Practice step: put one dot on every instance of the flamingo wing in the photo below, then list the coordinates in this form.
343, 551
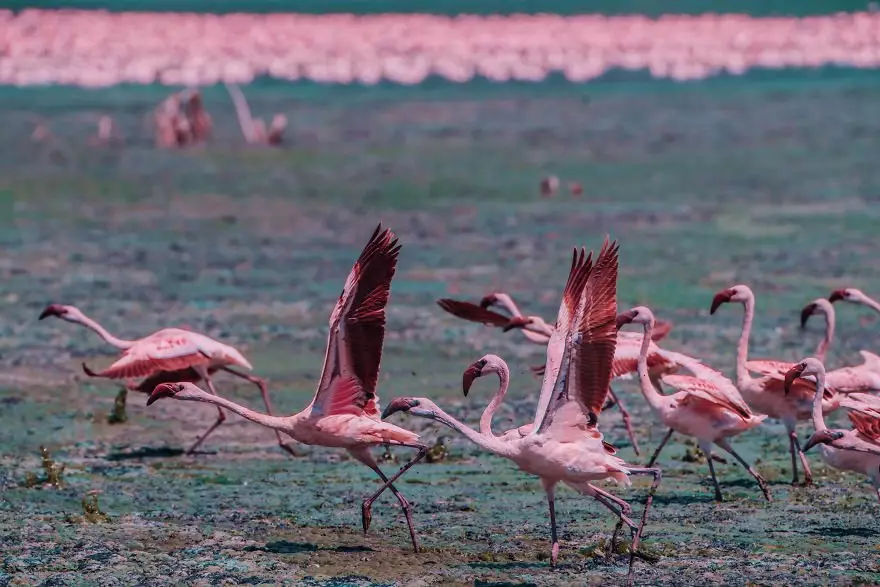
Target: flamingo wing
473, 312
168, 350
661, 330
769, 368
710, 392
868, 427
557, 347
357, 332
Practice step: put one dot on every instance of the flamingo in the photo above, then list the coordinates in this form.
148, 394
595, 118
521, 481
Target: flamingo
538, 331
766, 394
854, 296
707, 407
850, 450
168, 355
564, 444
345, 410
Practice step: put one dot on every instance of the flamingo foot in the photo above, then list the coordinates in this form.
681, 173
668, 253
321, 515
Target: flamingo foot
762, 483
366, 515
554, 554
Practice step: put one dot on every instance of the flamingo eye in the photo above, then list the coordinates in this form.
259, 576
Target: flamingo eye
481, 363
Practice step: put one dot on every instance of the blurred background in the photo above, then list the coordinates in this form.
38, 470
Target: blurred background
219, 164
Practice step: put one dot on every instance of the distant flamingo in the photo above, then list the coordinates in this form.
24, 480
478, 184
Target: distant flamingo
850, 450
854, 296
767, 395
171, 354
564, 444
345, 410
707, 407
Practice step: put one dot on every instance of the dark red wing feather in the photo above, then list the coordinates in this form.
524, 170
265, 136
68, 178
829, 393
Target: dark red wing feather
473, 312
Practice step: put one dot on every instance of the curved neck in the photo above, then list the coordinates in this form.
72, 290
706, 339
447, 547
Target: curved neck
541, 335
650, 392
506, 302
285, 424
825, 343
818, 417
489, 412
742, 349
485, 441
102, 332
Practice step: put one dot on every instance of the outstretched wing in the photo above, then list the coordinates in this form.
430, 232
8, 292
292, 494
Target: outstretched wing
357, 331
711, 392
596, 327
581, 265
769, 368
166, 350
473, 312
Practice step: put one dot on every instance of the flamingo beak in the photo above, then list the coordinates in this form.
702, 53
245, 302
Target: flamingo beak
471, 373
822, 437
837, 295
806, 313
793, 374
517, 322
722, 297
625, 318
163, 390
400, 404
488, 300
52, 310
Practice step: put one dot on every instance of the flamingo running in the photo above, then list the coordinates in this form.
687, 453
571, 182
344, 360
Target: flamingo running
849, 450
168, 355
707, 407
345, 410
766, 394
564, 443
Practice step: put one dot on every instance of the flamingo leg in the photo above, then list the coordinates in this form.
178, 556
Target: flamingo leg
404, 504
366, 508
626, 420
658, 476
659, 448
221, 417
554, 540
261, 384
808, 475
706, 447
794, 472
622, 519
795, 446
723, 443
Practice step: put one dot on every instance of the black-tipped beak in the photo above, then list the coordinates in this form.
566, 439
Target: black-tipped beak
836, 295
51, 310
792, 374
471, 373
806, 313
488, 300
161, 391
625, 318
722, 297
822, 437
517, 322
400, 404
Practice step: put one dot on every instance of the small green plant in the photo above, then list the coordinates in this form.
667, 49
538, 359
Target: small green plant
91, 511
387, 456
437, 452
51, 469
118, 415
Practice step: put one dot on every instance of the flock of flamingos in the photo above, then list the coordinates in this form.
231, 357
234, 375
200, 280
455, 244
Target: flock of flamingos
99, 49
586, 349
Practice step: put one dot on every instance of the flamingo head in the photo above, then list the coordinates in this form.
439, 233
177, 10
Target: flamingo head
817, 306
517, 322
822, 437
737, 293
68, 313
486, 365
181, 391
489, 300
637, 315
809, 367
417, 406
846, 294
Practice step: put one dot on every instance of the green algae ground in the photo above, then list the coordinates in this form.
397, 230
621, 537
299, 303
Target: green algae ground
770, 182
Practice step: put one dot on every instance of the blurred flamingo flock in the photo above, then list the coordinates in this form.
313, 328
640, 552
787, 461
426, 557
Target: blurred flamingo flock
97, 49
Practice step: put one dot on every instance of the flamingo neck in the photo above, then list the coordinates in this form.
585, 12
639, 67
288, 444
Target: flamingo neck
485, 441
825, 343
284, 424
818, 416
653, 397
742, 349
102, 332
506, 302
489, 412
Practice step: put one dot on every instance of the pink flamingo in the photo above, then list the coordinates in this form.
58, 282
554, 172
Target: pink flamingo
850, 450
854, 296
171, 354
766, 394
707, 407
564, 444
345, 410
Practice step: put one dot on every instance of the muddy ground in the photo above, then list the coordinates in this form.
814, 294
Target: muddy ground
770, 182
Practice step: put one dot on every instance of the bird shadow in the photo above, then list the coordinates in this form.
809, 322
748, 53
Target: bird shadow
844, 532
146, 453
287, 547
